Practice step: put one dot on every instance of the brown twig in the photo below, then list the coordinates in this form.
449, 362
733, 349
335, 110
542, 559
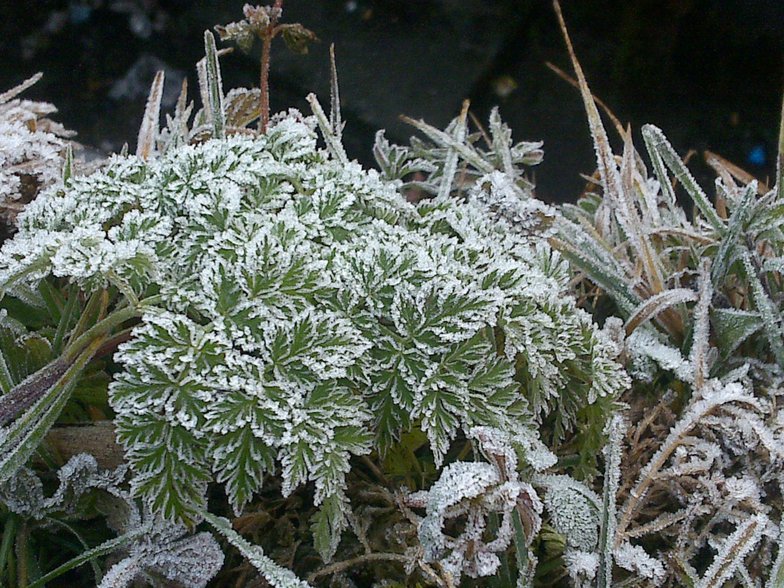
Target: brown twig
266, 48
339, 566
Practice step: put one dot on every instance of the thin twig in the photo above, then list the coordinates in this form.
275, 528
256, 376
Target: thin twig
338, 567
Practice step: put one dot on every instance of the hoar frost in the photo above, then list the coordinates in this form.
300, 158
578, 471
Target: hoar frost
309, 313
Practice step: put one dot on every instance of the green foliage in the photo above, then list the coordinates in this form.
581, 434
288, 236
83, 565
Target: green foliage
396, 370
297, 311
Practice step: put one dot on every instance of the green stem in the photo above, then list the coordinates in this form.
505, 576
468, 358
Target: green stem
103, 549
90, 309
103, 327
9, 532
65, 320
22, 539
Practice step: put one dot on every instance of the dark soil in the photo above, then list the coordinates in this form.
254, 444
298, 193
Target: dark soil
708, 72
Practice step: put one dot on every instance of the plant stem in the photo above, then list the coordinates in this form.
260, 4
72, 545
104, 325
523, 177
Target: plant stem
360, 559
265, 65
90, 309
266, 48
102, 549
104, 326
9, 532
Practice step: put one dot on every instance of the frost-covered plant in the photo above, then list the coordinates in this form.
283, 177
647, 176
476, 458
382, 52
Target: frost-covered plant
306, 313
281, 311
157, 550
399, 353
700, 294
477, 491
31, 149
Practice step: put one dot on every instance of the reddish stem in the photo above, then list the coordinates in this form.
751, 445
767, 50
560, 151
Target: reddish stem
265, 67
265, 64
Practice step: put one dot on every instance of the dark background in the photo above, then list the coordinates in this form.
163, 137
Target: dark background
708, 72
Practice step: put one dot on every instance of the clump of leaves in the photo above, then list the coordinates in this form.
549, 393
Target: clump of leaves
156, 550
32, 148
281, 312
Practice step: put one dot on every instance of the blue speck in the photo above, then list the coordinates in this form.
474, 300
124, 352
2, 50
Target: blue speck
757, 155
80, 13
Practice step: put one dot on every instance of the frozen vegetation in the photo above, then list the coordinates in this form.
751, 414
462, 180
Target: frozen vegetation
389, 377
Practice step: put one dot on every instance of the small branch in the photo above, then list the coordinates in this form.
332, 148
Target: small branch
376, 470
266, 50
338, 567
264, 82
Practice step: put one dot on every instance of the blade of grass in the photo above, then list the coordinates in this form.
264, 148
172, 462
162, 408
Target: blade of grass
104, 548
82, 542
24, 435
608, 170
657, 142
330, 138
16, 90
68, 163
6, 547
771, 318
524, 575
214, 87
148, 132
656, 304
335, 119
276, 575
732, 238
609, 516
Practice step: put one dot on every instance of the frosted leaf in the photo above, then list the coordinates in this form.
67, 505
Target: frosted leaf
473, 490
573, 509
501, 198
635, 559
31, 148
23, 493
581, 565
167, 551
647, 352
733, 550
497, 445
537, 454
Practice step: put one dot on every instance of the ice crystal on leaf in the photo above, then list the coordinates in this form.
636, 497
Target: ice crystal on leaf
308, 313
164, 552
24, 495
